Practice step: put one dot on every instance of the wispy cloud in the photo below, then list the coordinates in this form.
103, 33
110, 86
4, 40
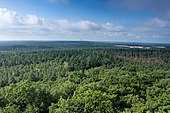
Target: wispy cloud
157, 23
152, 29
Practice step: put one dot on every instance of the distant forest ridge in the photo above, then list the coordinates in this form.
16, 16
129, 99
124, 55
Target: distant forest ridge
59, 45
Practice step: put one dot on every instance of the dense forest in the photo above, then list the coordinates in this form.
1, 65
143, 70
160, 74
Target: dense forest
83, 77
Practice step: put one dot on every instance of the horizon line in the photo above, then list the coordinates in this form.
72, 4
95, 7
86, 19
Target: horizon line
83, 41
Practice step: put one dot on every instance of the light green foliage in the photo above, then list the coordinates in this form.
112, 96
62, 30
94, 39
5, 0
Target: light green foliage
92, 101
25, 96
10, 109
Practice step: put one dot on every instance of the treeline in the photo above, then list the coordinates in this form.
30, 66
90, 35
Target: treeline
101, 80
49, 45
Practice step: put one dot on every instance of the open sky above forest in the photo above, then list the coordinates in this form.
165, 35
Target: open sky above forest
93, 20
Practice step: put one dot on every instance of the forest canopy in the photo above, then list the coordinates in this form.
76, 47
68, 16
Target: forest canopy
83, 77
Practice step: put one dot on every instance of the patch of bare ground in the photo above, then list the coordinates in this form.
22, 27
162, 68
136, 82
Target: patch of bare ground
147, 60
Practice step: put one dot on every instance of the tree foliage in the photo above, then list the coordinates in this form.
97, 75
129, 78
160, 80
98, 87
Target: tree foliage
98, 79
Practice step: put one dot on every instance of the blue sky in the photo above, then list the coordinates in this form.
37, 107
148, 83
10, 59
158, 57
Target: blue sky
93, 20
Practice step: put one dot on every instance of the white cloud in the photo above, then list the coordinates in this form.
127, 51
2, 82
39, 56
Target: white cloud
8, 16
33, 20
34, 26
110, 27
86, 25
31, 24
76, 26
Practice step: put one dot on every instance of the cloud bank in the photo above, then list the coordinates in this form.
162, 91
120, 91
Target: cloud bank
14, 26
33, 25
